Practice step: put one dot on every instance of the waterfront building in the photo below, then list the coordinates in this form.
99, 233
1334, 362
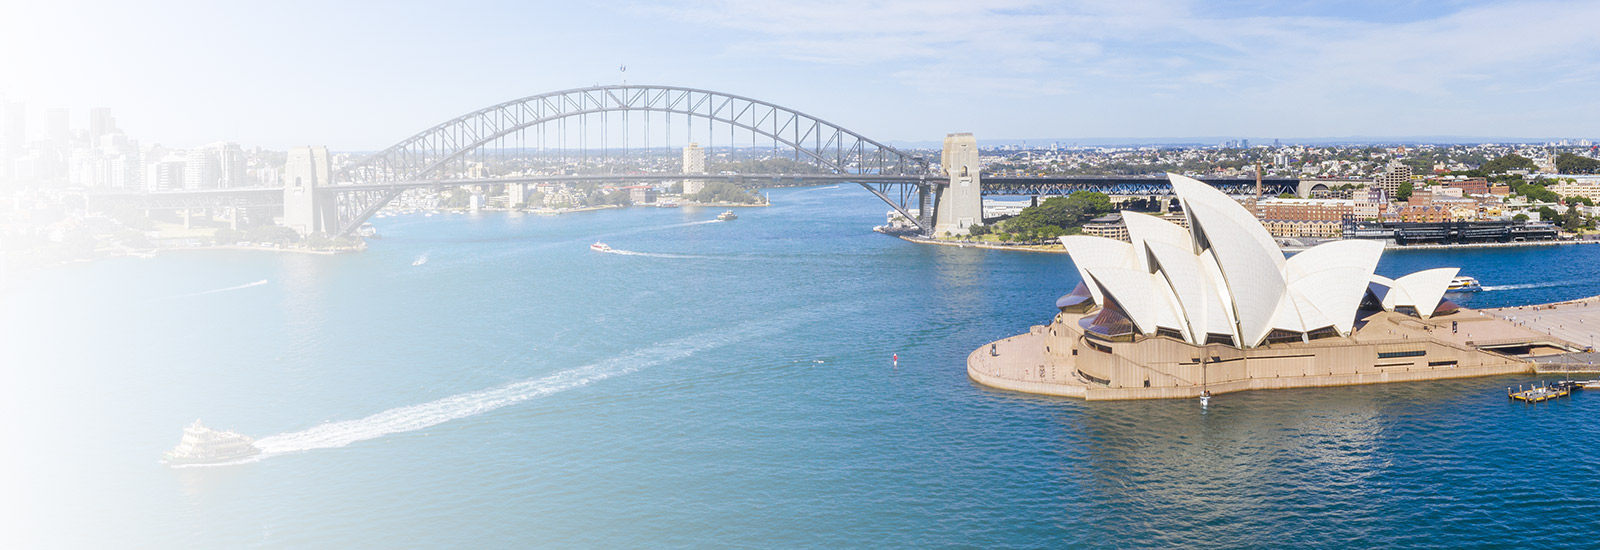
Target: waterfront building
694, 162
1109, 226
1284, 217
641, 194
1217, 307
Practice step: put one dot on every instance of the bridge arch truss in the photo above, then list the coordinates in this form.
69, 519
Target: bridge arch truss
447, 151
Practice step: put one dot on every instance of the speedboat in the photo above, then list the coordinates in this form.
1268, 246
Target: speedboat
726, 216
600, 247
1463, 284
202, 445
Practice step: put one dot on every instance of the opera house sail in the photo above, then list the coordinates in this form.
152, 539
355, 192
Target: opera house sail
1215, 306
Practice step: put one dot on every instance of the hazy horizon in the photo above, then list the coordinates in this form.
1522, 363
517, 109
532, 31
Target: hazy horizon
364, 76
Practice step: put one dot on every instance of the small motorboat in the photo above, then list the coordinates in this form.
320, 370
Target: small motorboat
727, 216
600, 247
1463, 284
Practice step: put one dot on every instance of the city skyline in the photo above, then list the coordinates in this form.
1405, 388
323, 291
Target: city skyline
358, 78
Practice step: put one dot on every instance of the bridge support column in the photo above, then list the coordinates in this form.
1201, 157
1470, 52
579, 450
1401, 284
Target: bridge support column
307, 208
960, 204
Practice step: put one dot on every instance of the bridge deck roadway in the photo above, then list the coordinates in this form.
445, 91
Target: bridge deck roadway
1018, 186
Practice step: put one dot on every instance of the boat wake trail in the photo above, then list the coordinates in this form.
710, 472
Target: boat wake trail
425, 415
657, 254
215, 291
1549, 284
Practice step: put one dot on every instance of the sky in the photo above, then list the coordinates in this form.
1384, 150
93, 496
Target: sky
361, 76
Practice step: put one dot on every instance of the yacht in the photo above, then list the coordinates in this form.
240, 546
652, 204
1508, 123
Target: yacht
1463, 284
600, 247
727, 216
202, 445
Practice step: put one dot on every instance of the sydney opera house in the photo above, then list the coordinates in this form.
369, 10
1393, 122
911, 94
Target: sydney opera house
1217, 307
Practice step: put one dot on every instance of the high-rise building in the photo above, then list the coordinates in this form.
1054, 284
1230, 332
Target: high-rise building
100, 123
1391, 178
165, 174
218, 165
694, 162
13, 136
201, 168
56, 127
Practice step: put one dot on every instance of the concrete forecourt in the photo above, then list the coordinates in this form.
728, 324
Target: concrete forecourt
1215, 307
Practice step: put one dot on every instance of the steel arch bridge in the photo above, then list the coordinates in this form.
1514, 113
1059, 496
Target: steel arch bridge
445, 153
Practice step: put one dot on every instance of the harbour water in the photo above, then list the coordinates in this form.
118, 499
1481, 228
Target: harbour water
487, 380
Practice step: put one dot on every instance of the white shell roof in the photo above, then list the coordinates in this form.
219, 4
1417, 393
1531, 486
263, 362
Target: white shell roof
1253, 278
1136, 291
1422, 289
1091, 252
1144, 228
1333, 277
1239, 283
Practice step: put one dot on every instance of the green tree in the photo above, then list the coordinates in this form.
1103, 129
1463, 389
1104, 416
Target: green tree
722, 191
1507, 163
1576, 200
1405, 191
1519, 218
1536, 192
1069, 211
227, 236
272, 234
1568, 163
1548, 214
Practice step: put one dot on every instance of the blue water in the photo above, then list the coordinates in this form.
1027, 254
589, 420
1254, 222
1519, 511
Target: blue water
729, 384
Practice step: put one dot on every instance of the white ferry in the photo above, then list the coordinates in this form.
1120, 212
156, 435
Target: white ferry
1463, 284
600, 247
727, 216
202, 445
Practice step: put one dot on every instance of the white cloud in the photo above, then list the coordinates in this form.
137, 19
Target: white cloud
1022, 46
